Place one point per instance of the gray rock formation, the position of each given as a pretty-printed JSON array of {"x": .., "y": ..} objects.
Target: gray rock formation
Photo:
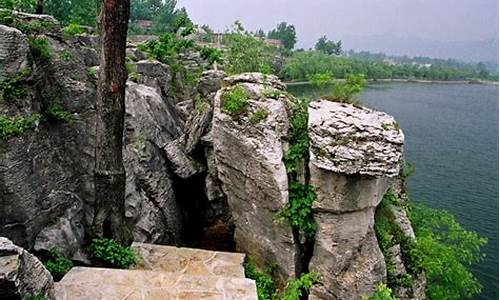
[
  {"x": 253, "y": 176},
  {"x": 22, "y": 274},
  {"x": 14, "y": 51},
  {"x": 351, "y": 155}
]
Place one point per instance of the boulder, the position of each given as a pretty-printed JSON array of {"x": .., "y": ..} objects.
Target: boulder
[
  {"x": 254, "y": 179},
  {"x": 353, "y": 152},
  {"x": 14, "y": 51},
  {"x": 155, "y": 74},
  {"x": 22, "y": 274}
]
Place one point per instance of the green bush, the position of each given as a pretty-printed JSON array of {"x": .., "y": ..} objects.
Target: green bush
[
  {"x": 12, "y": 88},
  {"x": 444, "y": 250},
  {"x": 112, "y": 253},
  {"x": 344, "y": 91},
  {"x": 166, "y": 48},
  {"x": 72, "y": 30},
  {"x": 298, "y": 210},
  {"x": 263, "y": 280},
  {"x": 15, "y": 126},
  {"x": 234, "y": 101},
  {"x": 319, "y": 79},
  {"x": 58, "y": 265},
  {"x": 211, "y": 55},
  {"x": 297, "y": 136},
  {"x": 246, "y": 53},
  {"x": 40, "y": 48},
  {"x": 66, "y": 55},
  {"x": 382, "y": 293},
  {"x": 258, "y": 116},
  {"x": 57, "y": 113},
  {"x": 297, "y": 288},
  {"x": 35, "y": 297}
]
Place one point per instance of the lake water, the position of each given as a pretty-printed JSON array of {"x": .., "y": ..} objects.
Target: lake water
[{"x": 451, "y": 135}]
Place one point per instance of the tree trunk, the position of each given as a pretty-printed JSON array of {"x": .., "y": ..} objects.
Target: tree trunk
[
  {"x": 109, "y": 173},
  {"x": 39, "y": 7}
]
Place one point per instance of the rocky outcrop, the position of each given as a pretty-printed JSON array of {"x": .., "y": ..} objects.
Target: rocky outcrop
[
  {"x": 249, "y": 163},
  {"x": 22, "y": 274},
  {"x": 14, "y": 51},
  {"x": 352, "y": 153}
]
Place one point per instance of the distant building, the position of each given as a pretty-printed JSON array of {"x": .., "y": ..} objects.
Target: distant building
[
  {"x": 274, "y": 42},
  {"x": 145, "y": 24}
]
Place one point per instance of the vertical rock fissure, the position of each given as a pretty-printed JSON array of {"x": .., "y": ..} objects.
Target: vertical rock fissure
[{"x": 296, "y": 160}]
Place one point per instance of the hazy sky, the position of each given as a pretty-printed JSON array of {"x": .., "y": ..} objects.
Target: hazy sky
[{"x": 445, "y": 20}]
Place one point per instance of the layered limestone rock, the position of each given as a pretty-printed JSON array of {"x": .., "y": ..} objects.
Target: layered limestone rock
[
  {"x": 353, "y": 152},
  {"x": 249, "y": 156},
  {"x": 22, "y": 274},
  {"x": 46, "y": 173}
]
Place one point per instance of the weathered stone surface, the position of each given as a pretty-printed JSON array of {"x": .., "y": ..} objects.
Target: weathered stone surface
[
  {"x": 351, "y": 140},
  {"x": 103, "y": 284},
  {"x": 210, "y": 82},
  {"x": 14, "y": 51},
  {"x": 254, "y": 179},
  {"x": 155, "y": 74},
  {"x": 189, "y": 261},
  {"x": 347, "y": 256},
  {"x": 150, "y": 199},
  {"x": 258, "y": 78},
  {"x": 67, "y": 234},
  {"x": 22, "y": 274},
  {"x": 181, "y": 163}
]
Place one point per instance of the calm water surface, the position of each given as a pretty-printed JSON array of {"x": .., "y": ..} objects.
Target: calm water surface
[{"x": 452, "y": 137}]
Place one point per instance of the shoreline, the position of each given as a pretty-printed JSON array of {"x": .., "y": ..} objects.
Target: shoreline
[{"x": 472, "y": 81}]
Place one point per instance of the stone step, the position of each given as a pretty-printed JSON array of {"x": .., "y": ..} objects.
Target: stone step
[
  {"x": 189, "y": 261},
  {"x": 85, "y": 283}
]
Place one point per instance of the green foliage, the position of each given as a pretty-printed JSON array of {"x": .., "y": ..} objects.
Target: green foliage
[
  {"x": 12, "y": 88},
  {"x": 382, "y": 293},
  {"x": 235, "y": 101},
  {"x": 165, "y": 17},
  {"x": 319, "y": 79},
  {"x": 246, "y": 53},
  {"x": 344, "y": 91},
  {"x": 58, "y": 265},
  {"x": 211, "y": 55},
  {"x": 9, "y": 18},
  {"x": 407, "y": 170},
  {"x": 21, "y": 5},
  {"x": 57, "y": 113},
  {"x": 66, "y": 55},
  {"x": 444, "y": 250},
  {"x": 91, "y": 73},
  {"x": 297, "y": 136},
  {"x": 72, "y": 30},
  {"x": 304, "y": 63},
  {"x": 35, "y": 297},
  {"x": 258, "y": 116},
  {"x": 285, "y": 33},
  {"x": 326, "y": 46},
  {"x": 134, "y": 76},
  {"x": 15, "y": 126},
  {"x": 263, "y": 280},
  {"x": 297, "y": 288},
  {"x": 298, "y": 210},
  {"x": 112, "y": 253},
  {"x": 166, "y": 48},
  {"x": 40, "y": 48}
]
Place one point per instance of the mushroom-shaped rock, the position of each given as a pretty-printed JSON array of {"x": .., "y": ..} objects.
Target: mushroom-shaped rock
[{"x": 353, "y": 152}]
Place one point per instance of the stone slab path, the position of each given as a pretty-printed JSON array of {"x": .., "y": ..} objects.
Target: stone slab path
[{"x": 164, "y": 273}]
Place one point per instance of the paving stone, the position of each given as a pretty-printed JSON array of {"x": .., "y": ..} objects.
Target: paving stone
[
  {"x": 84, "y": 283},
  {"x": 189, "y": 261}
]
